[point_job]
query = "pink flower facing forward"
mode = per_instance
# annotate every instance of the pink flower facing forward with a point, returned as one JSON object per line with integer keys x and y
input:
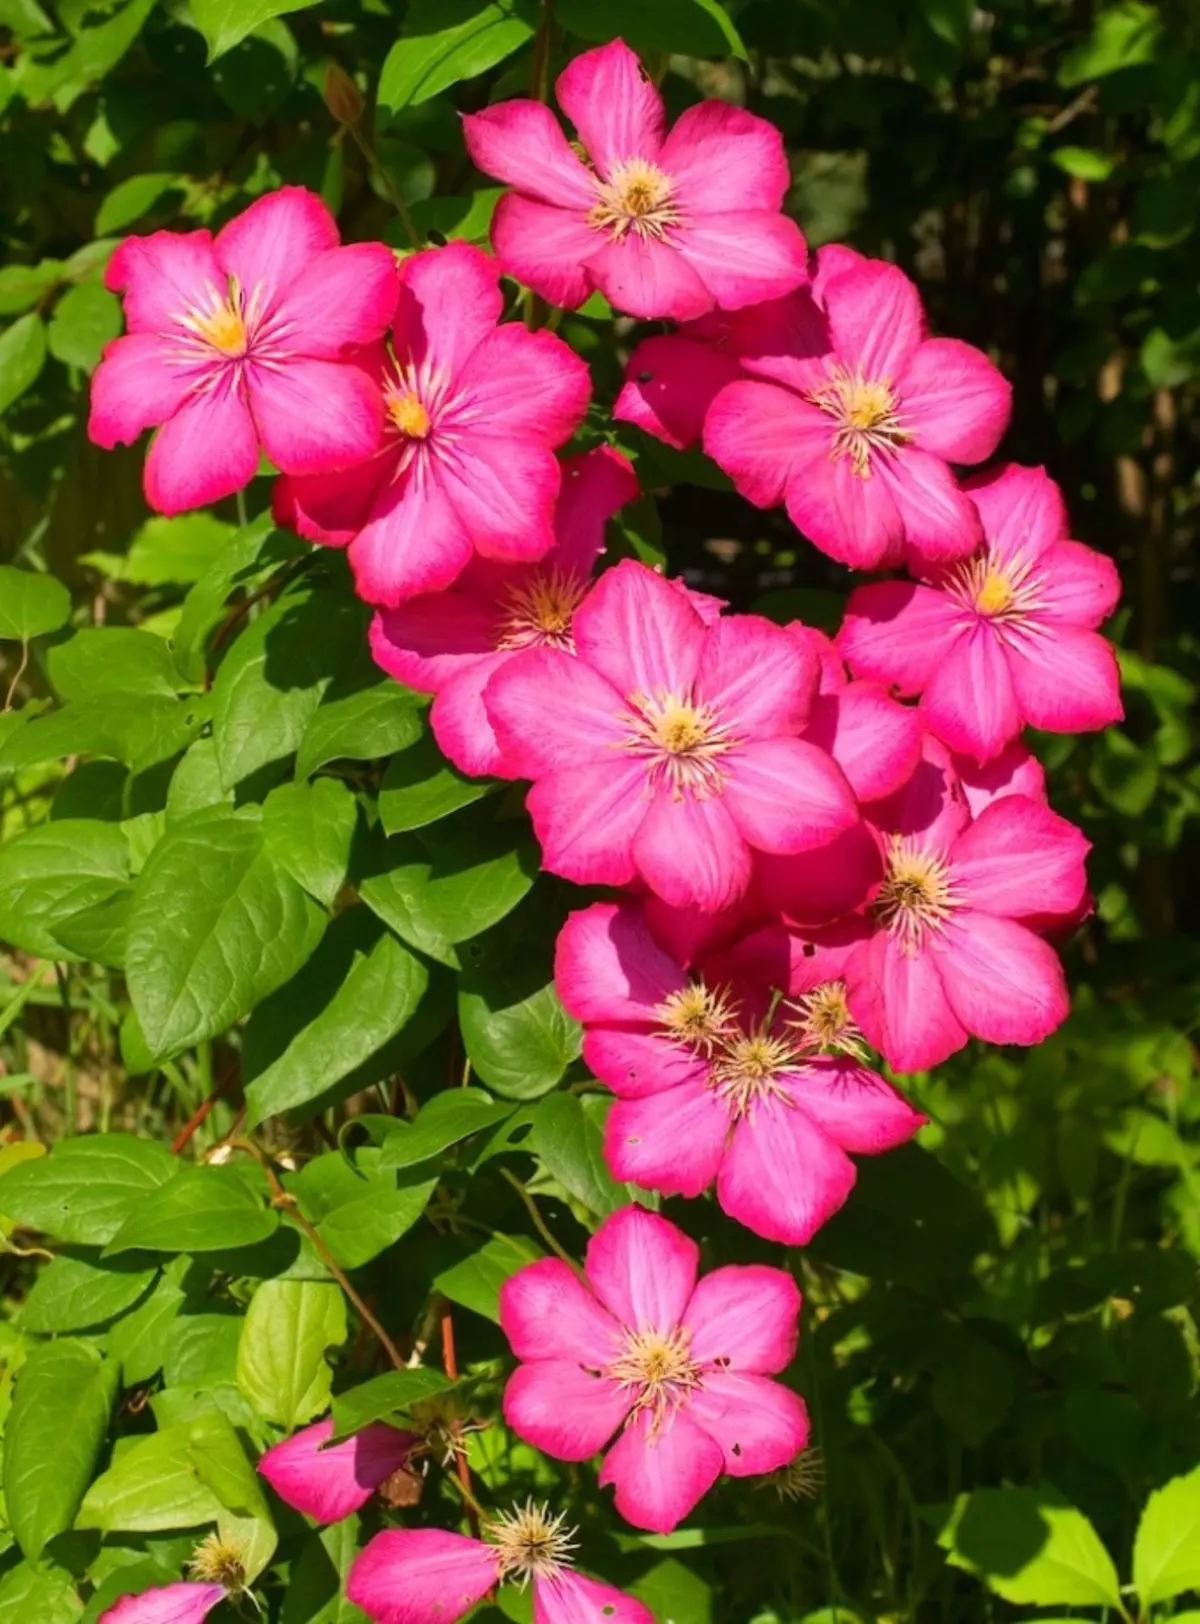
{"x": 450, "y": 643}
{"x": 327, "y": 1481}
{"x": 242, "y": 342}
{"x": 666, "y": 748}
{"x": 427, "y": 1576}
{"x": 718, "y": 1081}
{"x": 1007, "y": 637}
{"x": 680, "y": 1366}
{"x": 852, "y": 416}
{"x": 663, "y": 225}
{"x": 472, "y": 414}
{"x": 169, "y": 1604}
{"x": 952, "y": 950}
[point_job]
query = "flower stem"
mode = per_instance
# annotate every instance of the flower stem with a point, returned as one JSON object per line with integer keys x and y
{"x": 388, "y": 184}
{"x": 539, "y": 1222}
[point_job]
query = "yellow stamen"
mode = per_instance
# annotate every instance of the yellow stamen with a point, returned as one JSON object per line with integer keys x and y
{"x": 995, "y": 594}
{"x": 696, "y": 1016}
{"x": 683, "y": 741}
{"x": 220, "y": 1560}
{"x": 748, "y": 1070}
{"x": 537, "y": 614}
{"x": 917, "y": 895}
{"x": 826, "y": 1022}
{"x": 658, "y": 1369}
{"x": 1003, "y": 589}
{"x": 866, "y": 414}
{"x": 531, "y": 1543}
{"x": 638, "y": 197}
{"x": 408, "y": 415}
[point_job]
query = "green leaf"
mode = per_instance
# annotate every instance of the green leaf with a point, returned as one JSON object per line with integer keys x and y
{"x": 518, "y": 1036}
{"x": 130, "y": 199}
{"x": 448, "y": 1118}
{"x": 22, "y": 357}
{"x": 392, "y": 1394}
{"x": 282, "y": 1369}
{"x": 466, "y": 217}
{"x": 53, "y": 871}
{"x": 225, "y": 23}
{"x": 86, "y": 1188}
{"x": 137, "y": 1342}
{"x": 694, "y": 27}
{"x": 420, "y": 786}
{"x": 23, "y": 286}
{"x": 1031, "y": 1547}
{"x": 92, "y": 53}
{"x": 1084, "y": 162}
{"x": 220, "y": 1464}
{"x": 1122, "y": 36}
{"x": 359, "y": 723}
{"x": 153, "y": 1484}
{"x": 202, "y": 1209}
{"x": 673, "y": 1591}
{"x": 308, "y": 828}
{"x": 1166, "y": 1549}
{"x": 448, "y": 40}
{"x": 476, "y": 1281}
{"x": 64, "y": 1393}
{"x": 85, "y": 319}
{"x": 271, "y": 682}
{"x": 78, "y": 1291}
{"x": 99, "y": 660}
{"x": 256, "y": 552}
{"x": 240, "y": 927}
{"x": 136, "y": 729}
{"x": 100, "y": 931}
{"x": 356, "y": 992}
{"x": 31, "y": 605}
{"x": 371, "y": 1212}
{"x": 570, "y": 1142}
{"x": 41, "y": 1595}
{"x": 318, "y": 1576}
{"x": 163, "y": 551}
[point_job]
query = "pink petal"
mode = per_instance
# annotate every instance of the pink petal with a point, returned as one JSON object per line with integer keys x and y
{"x": 547, "y": 248}
{"x": 170, "y": 1604}
{"x": 649, "y": 278}
{"x": 504, "y": 491}
{"x": 1066, "y": 681}
{"x": 875, "y": 741}
{"x": 746, "y": 257}
{"x": 522, "y": 383}
{"x": 759, "y": 1424}
{"x": 639, "y": 632}
{"x": 587, "y": 819}
{"x": 162, "y": 277}
{"x": 332, "y": 508}
{"x": 786, "y": 795}
{"x": 1003, "y": 983}
{"x": 726, "y": 160}
{"x": 327, "y": 1484}
{"x": 757, "y": 677}
{"x": 746, "y": 1316}
{"x": 778, "y": 957}
{"x": 782, "y": 1175}
{"x": 1021, "y": 509}
{"x": 783, "y": 341}
{"x": 206, "y": 451}
{"x": 970, "y": 703}
{"x": 461, "y": 724}
{"x": 420, "y": 1576}
{"x": 954, "y": 400}
{"x": 940, "y": 521}
{"x": 1019, "y": 859}
{"x": 854, "y": 1106}
{"x": 551, "y": 710}
{"x": 271, "y": 243}
{"x": 671, "y": 1141}
{"x": 548, "y": 1312}
{"x": 616, "y": 110}
{"x": 660, "y": 1477}
{"x": 752, "y": 431}
{"x": 635, "y": 1064}
{"x": 930, "y": 804}
{"x": 428, "y": 641}
{"x": 899, "y": 633}
{"x": 315, "y": 415}
{"x": 343, "y": 298}
{"x": 594, "y": 486}
{"x": 854, "y": 518}
{"x": 608, "y": 967}
{"x": 138, "y": 385}
{"x": 562, "y": 1410}
{"x": 875, "y": 318}
{"x": 573, "y": 1598}
{"x": 901, "y": 1005}
{"x": 814, "y": 886}
{"x": 1015, "y": 771}
{"x": 450, "y": 301}
{"x": 642, "y": 1269}
{"x": 670, "y": 382}
{"x": 1079, "y": 585}
{"x": 690, "y": 852}
{"x": 522, "y": 144}
{"x": 414, "y": 542}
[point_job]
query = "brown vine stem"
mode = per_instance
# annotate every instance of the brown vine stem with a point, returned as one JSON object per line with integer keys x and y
{"x": 539, "y": 1222}
{"x": 17, "y": 675}
{"x": 450, "y": 1362}
{"x": 202, "y": 1112}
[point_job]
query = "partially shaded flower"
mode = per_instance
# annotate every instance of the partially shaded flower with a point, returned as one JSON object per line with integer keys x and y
{"x": 327, "y": 1481}
{"x": 662, "y": 224}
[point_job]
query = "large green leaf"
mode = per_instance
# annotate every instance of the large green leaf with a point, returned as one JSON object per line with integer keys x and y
{"x": 448, "y": 40}
{"x": 152, "y": 1484}
{"x": 359, "y": 719}
{"x": 99, "y": 660}
{"x": 217, "y": 924}
{"x": 31, "y": 605}
{"x": 517, "y": 1034}
{"x": 22, "y": 357}
{"x": 1031, "y": 1547}
{"x": 392, "y": 1394}
{"x": 1166, "y": 1550}
{"x": 420, "y": 786}
{"x": 225, "y": 23}
{"x": 316, "y": 1583}
{"x": 60, "y": 1411}
{"x": 38, "y": 1595}
{"x": 475, "y": 1282}
{"x": 86, "y": 1188}
{"x": 202, "y": 1209}
{"x": 79, "y": 1290}
{"x": 85, "y": 319}
{"x": 569, "y": 1138}
{"x": 448, "y": 1118}
{"x": 255, "y": 553}
{"x": 281, "y": 1367}
{"x": 308, "y": 828}
{"x": 359, "y": 1210}
{"x": 53, "y": 871}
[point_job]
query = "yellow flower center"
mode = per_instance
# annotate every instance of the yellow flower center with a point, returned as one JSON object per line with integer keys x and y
{"x": 1002, "y": 589}
{"x": 658, "y": 1369}
{"x": 917, "y": 894}
{"x": 826, "y": 1023}
{"x": 531, "y": 1543}
{"x": 995, "y": 594}
{"x": 637, "y": 197}
{"x": 748, "y": 1069}
{"x": 222, "y": 323}
{"x": 865, "y": 412}
{"x": 537, "y": 614}
{"x": 408, "y": 414}
{"x": 696, "y": 1017}
{"x": 682, "y": 742}
{"x": 220, "y": 1560}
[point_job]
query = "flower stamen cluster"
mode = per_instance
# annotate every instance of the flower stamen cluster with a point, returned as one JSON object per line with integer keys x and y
{"x": 866, "y": 416}
{"x": 917, "y": 895}
{"x": 1002, "y": 589}
{"x": 637, "y": 197}
{"x": 825, "y": 1023}
{"x": 682, "y": 742}
{"x": 697, "y": 1016}
{"x": 531, "y": 1544}
{"x": 536, "y": 612}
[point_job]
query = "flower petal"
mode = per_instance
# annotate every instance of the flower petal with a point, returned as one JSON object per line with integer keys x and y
{"x": 899, "y": 633}
{"x": 461, "y": 724}
{"x": 786, "y": 795}
{"x": 1003, "y": 983}
{"x": 162, "y": 277}
{"x": 640, "y": 632}
{"x": 875, "y": 741}
{"x": 521, "y": 143}
{"x": 429, "y": 641}
{"x": 616, "y": 110}
{"x": 758, "y": 434}
{"x": 548, "y": 1312}
{"x": 168, "y": 1604}
{"x": 854, "y": 1106}
{"x": 594, "y": 486}
{"x": 660, "y": 1477}
{"x": 206, "y": 451}
{"x": 271, "y": 243}
{"x": 421, "y": 1576}
{"x": 671, "y": 1141}
{"x": 670, "y": 382}
{"x": 562, "y": 1410}
{"x": 724, "y": 159}
{"x": 760, "y": 1424}
{"x": 332, "y": 508}
{"x": 344, "y": 298}
{"x": 587, "y": 819}
{"x": 328, "y": 1484}
{"x": 815, "y": 886}
{"x": 1019, "y": 859}
{"x": 745, "y": 1316}
{"x": 608, "y": 967}
{"x": 956, "y": 403}
{"x": 743, "y": 258}
{"x": 414, "y": 542}
{"x": 875, "y": 318}
{"x": 551, "y": 710}
{"x": 504, "y": 490}
{"x": 901, "y": 1005}
{"x": 1021, "y": 509}
{"x": 1015, "y": 771}
{"x": 573, "y": 1598}
{"x": 642, "y": 1269}
{"x": 782, "y": 1175}
{"x": 547, "y": 248}
{"x": 649, "y": 278}
{"x": 940, "y": 521}
{"x": 854, "y": 518}
{"x": 139, "y": 384}
{"x": 449, "y": 302}
{"x": 315, "y": 415}
{"x": 970, "y": 703}
{"x": 522, "y": 383}
{"x": 758, "y": 678}
{"x": 690, "y": 852}
{"x": 635, "y": 1064}
{"x": 1066, "y": 681}
{"x": 1079, "y": 585}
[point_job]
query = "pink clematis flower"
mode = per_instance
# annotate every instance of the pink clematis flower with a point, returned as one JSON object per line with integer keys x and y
{"x": 450, "y": 643}
{"x": 662, "y": 224}
{"x": 665, "y": 748}
{"x": 328, "y": 1481}
{"x": 472, "y": 414}
{"x": 243, "y": 342}
{"x": 1015, "y": 771}
{"x": 680, "y": 1367}
{"x": 429, "y": 1576}
{"x": 169, "y": 1604}
{"x": 1004, "y": 639}
{"x": 852, "y": 417}
{"x": 717, "y": 1084}
{"x": 952, "y": 950}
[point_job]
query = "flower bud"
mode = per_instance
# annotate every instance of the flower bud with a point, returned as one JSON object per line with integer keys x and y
{"x": 342, "y": 96}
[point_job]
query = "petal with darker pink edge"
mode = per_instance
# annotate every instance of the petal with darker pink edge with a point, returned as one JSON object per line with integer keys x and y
{"x": 661, "y": 1476}
{"x": 421, "y": 1576}
{"x": 898, "y": 633}
{"x": 745, "y": 1317}
{"x": 608, "y": 967}
{"x": 1021, "y": 509}
{"x": 782, "y": 1175}
{"x": 206, "y": 451}
{"x": 329, "y": 1481}
{"x": 594, "y": 486}
{"x": 671, "y": 1141}
{"x": 786, "y": 795}
{"x": 725, "y": 159}
{"x": 634, "y": 1064}
{"x": 504, "y": 490}
{"x": 573, "y": 1598}
{"x": 854, "y": 1106}
{"x": 563, "y": 1410}
{"x": 413, "y": 542}
{"x": 758, "y": 433}
{"x": 1078, "y": 585}
{"x": 1066, "y": 681}
{"x": 168, "y": 1604}
{"x": 642, "y": 1269}
{"x": 547, "y": 248}
{"x": 315, "y": 415}
{"x": 268, "y": 245}
{"x": 548, "y": 1312}
{"x": 518, "y": 382}
{"x": 825, "y": 883}
{"x": 462, "y": 726}
{"x": 641, "y": 633}
{"x": 969, "y": 702}
{"x": 760, "y": 680}
{"x": 427, "y": 642}
{"x": 940, "y": 521}
{"x": 449, "y": 302}
{"x": 521, "y": 143}
{"x": 332, "y": 508}
{"x": 138, "y": 385}
{"x": 1019, "y": 858}
{"x": 854, "y": 519}
{"x": 898, "y": 1000}
{"x": 875, "y": 318}
{"x": 1015, "y": 771}
{"x": 551, "y": 710}
{"x": 744, "y": 258}
{"x": 162, "y": 278}
{"x": 344, "y": 298}
{"x": 587, "y": 820}
{"x": 612, "y": 104}
{"x": 954, "y": 401}
{"x": 650, "y": 278}
{"x": 874, "y": 740}
{"x": 1003, "y": 983}
{"x": 759, "y": 1424}
{"x": 691, "y": 852}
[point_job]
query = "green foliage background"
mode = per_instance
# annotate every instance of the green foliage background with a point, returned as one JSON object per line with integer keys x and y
{"x": 233, "y": 863}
